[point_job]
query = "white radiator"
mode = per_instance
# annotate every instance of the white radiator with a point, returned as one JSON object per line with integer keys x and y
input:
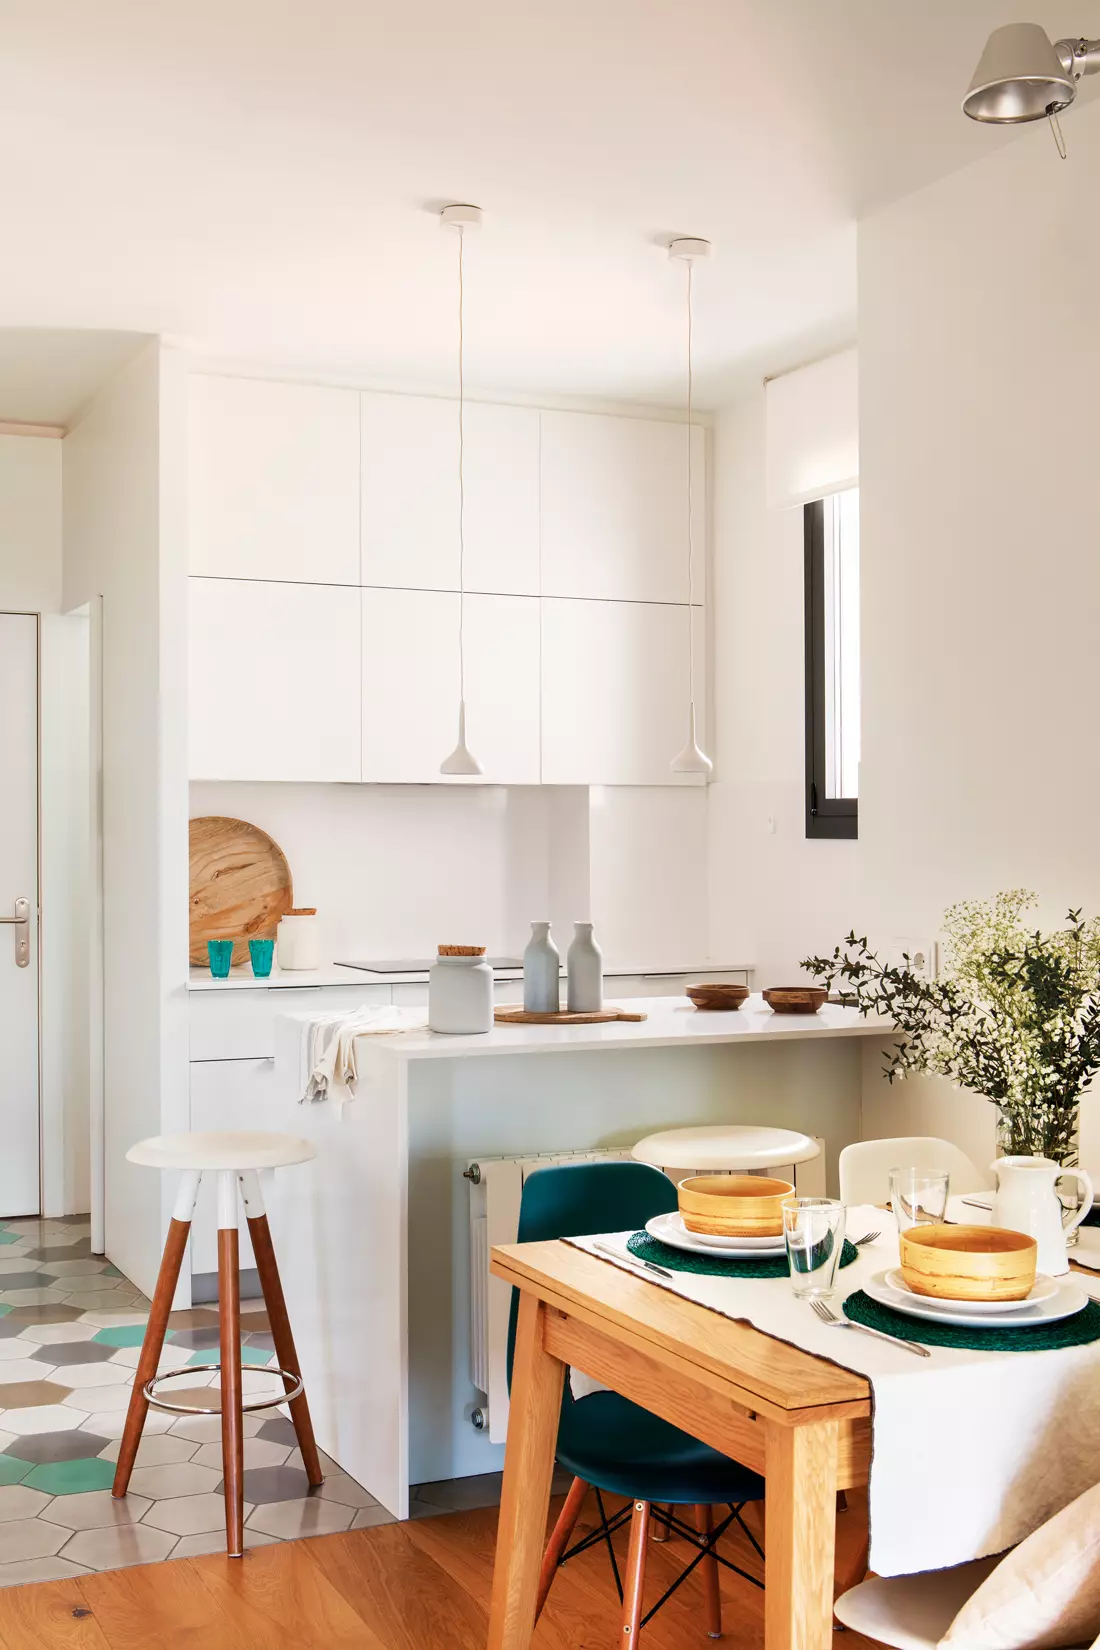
{"x": 496, "y": 1186}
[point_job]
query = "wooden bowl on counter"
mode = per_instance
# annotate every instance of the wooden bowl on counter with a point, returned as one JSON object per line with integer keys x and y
{"x": 795, "y": 999}
{"x": 717, "y": 995}
{"x": 733, "y": 1205}
{"x": 968, "y": 1263}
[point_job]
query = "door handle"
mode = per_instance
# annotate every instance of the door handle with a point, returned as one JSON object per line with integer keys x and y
{"x": 21, "y": 922}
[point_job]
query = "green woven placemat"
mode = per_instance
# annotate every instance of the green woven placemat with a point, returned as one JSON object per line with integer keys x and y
{"x": 1079, "y": 1330}
{"x": 680, "y": 1260}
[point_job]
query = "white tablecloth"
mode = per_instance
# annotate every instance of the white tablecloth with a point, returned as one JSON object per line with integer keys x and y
{"x": 971, "y": 1450}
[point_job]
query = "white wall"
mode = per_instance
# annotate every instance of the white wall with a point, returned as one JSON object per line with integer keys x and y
{"x": 774, "y": 896}
{"x": 980, "y": 520}
{"x": 124, "y": 541}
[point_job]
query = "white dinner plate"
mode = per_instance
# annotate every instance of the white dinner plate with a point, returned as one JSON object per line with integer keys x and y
{"x": 1066, "y": 1301}
{"x": 670, "y": 1229}
{"x": 1045, "y": 1289}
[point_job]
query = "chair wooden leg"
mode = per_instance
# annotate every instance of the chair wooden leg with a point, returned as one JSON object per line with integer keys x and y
{"x": 174, "y": 1250}
{"x": 559, "y": 1540}
{"x": 271, "y": 1284}
{"x": 704, "y": 1523}
{"x": 229, "y": 1319}
{"x": 660, "y": 1532}
{"x": 635, "y": 1573}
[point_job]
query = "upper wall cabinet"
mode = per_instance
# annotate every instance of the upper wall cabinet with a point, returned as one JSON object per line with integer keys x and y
{"x": 274, "y": 681}
{"x": 615, "y": 692}
{"x": 614, "y": 508}
{"x": 410, "y": 495}
{"x": 274, "y": 481}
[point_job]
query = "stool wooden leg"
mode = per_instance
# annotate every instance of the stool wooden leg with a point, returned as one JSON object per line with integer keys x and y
{"x": 704, "y": 1523}
{"x": 174, "y": 1250}
{"x": 229, "y": 1321}
{"x": 558, "y": 1542}
{"x": 281, "y": 1334}
{"x": 635, "y": 1574}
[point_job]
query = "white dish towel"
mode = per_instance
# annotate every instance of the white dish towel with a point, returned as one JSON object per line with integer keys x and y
{"x": 328, "y": 1064}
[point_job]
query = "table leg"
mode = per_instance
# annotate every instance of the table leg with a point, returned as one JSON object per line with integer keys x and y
{"x": 537, "y": 1383}
{"x": 800, "y": 1535}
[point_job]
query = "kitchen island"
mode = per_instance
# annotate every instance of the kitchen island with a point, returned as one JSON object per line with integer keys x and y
{"x": 374, "y": 1237}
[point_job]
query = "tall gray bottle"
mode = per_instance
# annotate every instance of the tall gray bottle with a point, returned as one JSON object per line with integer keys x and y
{"x": 585, "y": 965}
{"x": 541, "y": 971}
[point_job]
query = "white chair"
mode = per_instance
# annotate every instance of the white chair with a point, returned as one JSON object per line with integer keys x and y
{"x": 731, "y": 1148}
{"x": 865, "y": 1166}
{"x": 911, "y": 1612}
{"x": 236, "y": 1160}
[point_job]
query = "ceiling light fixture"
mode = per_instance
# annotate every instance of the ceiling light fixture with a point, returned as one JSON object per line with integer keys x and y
{"x": 691, "y": 759}
{"x": 461, "y": 760}
{"x": 1021, "y": 76}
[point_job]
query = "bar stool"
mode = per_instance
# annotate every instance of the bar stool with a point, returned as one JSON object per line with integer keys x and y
{"x": 236, "y": 1159}
{"x": 732, "y": 1147}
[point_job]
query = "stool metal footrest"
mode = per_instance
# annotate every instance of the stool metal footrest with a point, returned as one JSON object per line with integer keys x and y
{"x": 293, "y": 1384}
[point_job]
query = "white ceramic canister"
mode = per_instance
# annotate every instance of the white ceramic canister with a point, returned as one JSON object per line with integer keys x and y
{"x": 460, "y": 991}
{"x": 298, "y": 939}
{"x": 541, "y": 972}
{"x": 585, "y": 965}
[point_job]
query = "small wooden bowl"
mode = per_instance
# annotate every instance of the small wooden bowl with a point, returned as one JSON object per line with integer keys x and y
{"x": 717, "y": 995}
{"x": 733, "y": 1205}
{"x": 968, "y": 1263}
{"x": 795, "y": 999}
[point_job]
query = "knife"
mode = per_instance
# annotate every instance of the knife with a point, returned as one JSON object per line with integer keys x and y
{"x": 631, "y": 1260}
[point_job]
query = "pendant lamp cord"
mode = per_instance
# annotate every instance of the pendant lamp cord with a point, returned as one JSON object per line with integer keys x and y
{"x": 690, "y": 523}
{"x": 461, "y": 487}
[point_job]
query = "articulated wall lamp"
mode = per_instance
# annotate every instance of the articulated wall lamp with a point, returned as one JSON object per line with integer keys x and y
{"x": 1021, "y": 76}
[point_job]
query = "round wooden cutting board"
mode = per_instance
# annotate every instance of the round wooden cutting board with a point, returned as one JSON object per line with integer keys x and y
{"x": 240, "y": 885}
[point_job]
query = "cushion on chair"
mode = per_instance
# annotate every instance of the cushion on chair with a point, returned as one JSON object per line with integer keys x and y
{"x": 910, "y": 1612}
{"x": 619, "y": 1447}
{"x": 1045, "y": 1593}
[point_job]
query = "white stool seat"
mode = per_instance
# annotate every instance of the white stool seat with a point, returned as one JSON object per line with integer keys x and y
{"x": 911, "y": 1612}
{"x": 724, "y": 1147}
{"x": 233, "y": 1152}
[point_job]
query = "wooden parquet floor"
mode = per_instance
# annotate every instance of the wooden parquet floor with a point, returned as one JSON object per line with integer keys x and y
{"x": 418, "y": 1586}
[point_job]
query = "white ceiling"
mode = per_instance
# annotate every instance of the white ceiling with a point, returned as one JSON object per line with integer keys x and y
{"x": 258, "y": 181}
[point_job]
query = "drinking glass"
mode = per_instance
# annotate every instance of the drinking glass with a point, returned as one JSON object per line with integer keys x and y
{"x": 220, "y": 953}
{"x": 918, "y": 1198}
{"x": 261, "y": 952}
{"x": 814, "y": 1231}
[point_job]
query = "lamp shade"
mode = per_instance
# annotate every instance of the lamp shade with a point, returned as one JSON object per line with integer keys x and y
{"x": 1020, "y": 77}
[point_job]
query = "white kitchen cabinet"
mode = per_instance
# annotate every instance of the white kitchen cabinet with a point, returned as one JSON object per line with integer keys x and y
{"x": 273, "y": 488}
{"x": 410, "y": 495}
{"x": 615, "y": 692}
{"x": 614, "y": 508}
{"x": 411, "y": 685}
{"x": 274, "y": 681}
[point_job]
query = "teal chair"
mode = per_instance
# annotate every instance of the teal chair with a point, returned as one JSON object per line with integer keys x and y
{"x": 612, "y": 1445}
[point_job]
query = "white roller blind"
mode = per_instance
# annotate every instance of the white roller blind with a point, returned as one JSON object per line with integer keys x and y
{"x": 813, "y": 431}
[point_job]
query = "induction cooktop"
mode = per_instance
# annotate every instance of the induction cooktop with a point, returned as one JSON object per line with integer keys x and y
{"x": 421, "y": 965}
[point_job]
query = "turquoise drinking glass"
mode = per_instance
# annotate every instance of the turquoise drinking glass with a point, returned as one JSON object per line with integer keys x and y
{"x": 220, "y": 953}
{"x": 261, "y": 952}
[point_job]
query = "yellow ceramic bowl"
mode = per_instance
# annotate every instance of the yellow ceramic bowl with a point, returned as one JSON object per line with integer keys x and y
{"x": 734, "y": 1205}
{"x": 968, "y": 1263}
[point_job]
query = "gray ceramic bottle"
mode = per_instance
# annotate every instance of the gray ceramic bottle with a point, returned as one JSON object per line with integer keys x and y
{"x": 585, "y": 965}
{"x": 541, "y": 971}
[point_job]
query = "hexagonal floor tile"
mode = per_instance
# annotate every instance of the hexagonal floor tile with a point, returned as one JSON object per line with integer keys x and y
{"x": 40, "y": 1569}
{"x": 75, "y": 1445}
{"x": 197, "y": 1339}
{"x": 207, "y": 1429}
{"x": 13, "y": 1470}
{"x": 195, "y": 1317}
{"x": 76, "y": 1352}
{"x": 122, "y": 1334}
{"x": 110, "y": 1423}
{"x": 101, "y": 1398}
{"x": 36, "y": 1279}
{"x": 266, "y": 1484}
{"x": 16, "y": 1501}
{"x": 19, "y": 1371}
{"x": 97, "y": 1509}
{"x": 182, "y": 1478}
{"x": 83, "y": 1377}
{"x": 367, "y": 1518}
{"x": 58, "y": 1334}
{"x": 19, "y": 1263}
{"x": 22, "y": 1346}
{"x": 116, "y": 1549}
{"x": 254, "y": 1317}
{"x": 189, "y": 1514}
{"x": 54, "y": 1313}
{"x": 278, "y": 1430}
{"x": 339, "y": 1487}
{"x": 90, "y": 1266}
{"x": 46, "y": 1418}
{"x": 7, "y": 1327}
{"x": 127, "y": 1318}
{"x": 71, "y": 1477}
{"x": 258, "y": 1452}
{"x": 196, "y": 1546}
{"x": 161, "y": 1450}
{"x": 45, "y": 1296}
{"x": 100, "y": 1301}
{"x": 18, "y": 1395}
{"x": 292, "y": 1519}
{"x": 30, "y": 1538}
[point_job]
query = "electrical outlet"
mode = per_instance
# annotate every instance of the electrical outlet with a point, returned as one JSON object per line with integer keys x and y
{"x": 923, "y": 955}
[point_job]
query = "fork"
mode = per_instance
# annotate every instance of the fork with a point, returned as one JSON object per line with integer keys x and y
{"x": 829, "y": 1317}
{"x": 868, "y": 1237}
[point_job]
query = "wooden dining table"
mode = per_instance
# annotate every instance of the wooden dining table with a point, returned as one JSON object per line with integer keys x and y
{"x": 802, "y": 1423}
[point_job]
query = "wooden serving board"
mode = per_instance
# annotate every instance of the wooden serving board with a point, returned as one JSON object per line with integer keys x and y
{"x": 240, "y": 885}
{"x": 520, "y": 1017}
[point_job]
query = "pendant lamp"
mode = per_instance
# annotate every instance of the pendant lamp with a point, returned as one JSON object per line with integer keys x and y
{"x": 461, "y": 761}
{"x": 691, "y": 759}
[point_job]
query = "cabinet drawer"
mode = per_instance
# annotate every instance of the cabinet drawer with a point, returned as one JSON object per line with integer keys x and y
{"x": 240, "y": 1025}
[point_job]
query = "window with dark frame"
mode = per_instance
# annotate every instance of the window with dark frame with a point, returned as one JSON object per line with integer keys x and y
{"x": 831, "y": 527}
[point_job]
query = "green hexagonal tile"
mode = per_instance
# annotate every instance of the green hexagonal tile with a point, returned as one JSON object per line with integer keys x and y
{"x": 9, "y": 1237}
{"x": 123, "y": 1334}
{"x": 13, "y": 1470}
{"x": 72, "y": 1477}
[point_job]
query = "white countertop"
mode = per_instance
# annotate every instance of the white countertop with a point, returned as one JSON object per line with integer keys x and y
{"x": 671, "y": 1022}
{"x": 302, "y": 979}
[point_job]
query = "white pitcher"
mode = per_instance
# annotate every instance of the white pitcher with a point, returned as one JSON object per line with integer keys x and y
{"x": 1026, "y": 1201}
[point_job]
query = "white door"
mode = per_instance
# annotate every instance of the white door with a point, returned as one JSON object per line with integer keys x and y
{"x": 19, "y": 1194}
